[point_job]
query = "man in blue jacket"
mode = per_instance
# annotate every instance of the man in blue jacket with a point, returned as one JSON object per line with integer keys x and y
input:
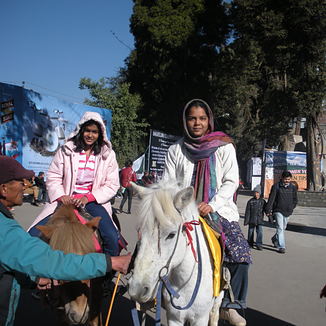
{"x": 22, "y": 254}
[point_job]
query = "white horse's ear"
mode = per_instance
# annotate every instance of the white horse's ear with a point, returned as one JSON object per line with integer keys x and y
{"x": 139, "y": 190}
{"x": 183, "y": 198}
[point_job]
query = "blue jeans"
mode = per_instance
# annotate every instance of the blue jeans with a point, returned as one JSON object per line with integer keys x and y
{"x": 281, "y": 223}
{"x": 259, "y": 232}
{"x": 239, "y": 285}
{"x": 108, "y": 232}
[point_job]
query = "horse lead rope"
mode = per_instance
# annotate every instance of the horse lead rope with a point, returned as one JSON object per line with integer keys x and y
{"x": 112, "y": 299}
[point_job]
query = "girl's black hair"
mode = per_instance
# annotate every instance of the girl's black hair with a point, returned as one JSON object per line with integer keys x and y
{"x": 78, "y": 140}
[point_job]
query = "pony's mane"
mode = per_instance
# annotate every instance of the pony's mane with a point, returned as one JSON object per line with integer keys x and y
{"x": 69, "y": 235}
{"x": 157, "y": 205}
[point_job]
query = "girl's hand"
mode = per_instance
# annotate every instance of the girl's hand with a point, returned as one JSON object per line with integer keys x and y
{"x": 66, "y": 200}
{"x": 80, "y": 201}
{"x": 204, "y": 209}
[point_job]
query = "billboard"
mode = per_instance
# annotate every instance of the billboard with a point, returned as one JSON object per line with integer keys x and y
{"x": 278, "y": 161}
{"x": 158, "y": 146}
{"x": 33, "y": 125}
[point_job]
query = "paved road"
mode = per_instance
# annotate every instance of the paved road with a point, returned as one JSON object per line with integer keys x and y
{"x": 283, "y": 289}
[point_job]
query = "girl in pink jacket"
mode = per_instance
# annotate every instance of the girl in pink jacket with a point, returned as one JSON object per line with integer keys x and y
{"x": 84, "y": 172}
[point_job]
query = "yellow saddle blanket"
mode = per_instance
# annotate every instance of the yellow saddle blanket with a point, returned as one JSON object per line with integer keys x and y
{"x": 216, "y": 253}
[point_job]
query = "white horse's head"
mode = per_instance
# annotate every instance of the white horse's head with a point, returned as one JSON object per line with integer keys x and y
{"x": 163, "y": 210}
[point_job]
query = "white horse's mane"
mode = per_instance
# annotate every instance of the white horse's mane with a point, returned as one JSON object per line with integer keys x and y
{"x": 157, "y": 205}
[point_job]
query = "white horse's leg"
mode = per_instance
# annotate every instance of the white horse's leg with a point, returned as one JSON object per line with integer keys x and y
{"x": 202, "y": 321}
{"x": 214, "y": 315}
{"x": 175, "y": 317}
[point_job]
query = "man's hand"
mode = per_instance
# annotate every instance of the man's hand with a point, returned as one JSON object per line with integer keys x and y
{"x": 204, "y": 209}
{"x": 121, "y": 263}
{"x": 45, "y": 283}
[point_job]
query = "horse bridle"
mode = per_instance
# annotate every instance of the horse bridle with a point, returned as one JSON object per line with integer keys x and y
{"x": 55, "y": 302}
{"x": 164, "y": 281}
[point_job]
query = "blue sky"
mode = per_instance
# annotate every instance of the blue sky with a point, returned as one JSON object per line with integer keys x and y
{"x": 51, "y": 44}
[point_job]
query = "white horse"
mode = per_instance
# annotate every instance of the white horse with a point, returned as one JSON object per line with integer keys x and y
{"x": 164, "y": 249}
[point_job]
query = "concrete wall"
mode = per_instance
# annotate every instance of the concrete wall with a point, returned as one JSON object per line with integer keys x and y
{"x": 312, "y": 198}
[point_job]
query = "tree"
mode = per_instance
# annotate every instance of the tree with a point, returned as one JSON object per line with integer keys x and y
{"x": 307, "y": 24}
{"x": 259, "y": 63}
{"x": 128, "y": 132}
{"x": 176, "y": 43}
{"x": 290, "y": 37}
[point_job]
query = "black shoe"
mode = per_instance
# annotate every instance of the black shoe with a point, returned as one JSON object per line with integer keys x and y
{"x": 281, "y": 250}
{"x": 35, "y": 203}
{"x": 259, "y": 248}
{"x": 128, "y": 212}
{"x": 251, "y": 245}
{"x": 275, "y": 244}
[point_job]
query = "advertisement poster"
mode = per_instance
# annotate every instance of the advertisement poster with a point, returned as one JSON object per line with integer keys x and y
{"x": 40, "y": 124}
{"x": 159, "y": 144}
{"x": 277, "y": 162}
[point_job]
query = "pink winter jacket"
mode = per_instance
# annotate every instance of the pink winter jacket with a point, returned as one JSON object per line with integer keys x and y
{"x": 62, "y": 174}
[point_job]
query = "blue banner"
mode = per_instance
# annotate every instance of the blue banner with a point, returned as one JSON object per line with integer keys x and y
{"x": 34, "y": 126}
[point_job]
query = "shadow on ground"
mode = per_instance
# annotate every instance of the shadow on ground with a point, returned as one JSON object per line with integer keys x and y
{"x": 296, "y": 227}
{"x": 33, "y": 312}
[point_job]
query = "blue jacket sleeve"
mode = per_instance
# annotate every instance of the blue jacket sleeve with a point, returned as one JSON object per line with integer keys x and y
{"x": 21, "y": 252}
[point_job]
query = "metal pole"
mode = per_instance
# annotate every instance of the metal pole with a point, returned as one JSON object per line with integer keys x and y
{"x": 149, "y": 148}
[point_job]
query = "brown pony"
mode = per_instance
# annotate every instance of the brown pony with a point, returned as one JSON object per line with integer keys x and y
{"x": 77, "y": 302}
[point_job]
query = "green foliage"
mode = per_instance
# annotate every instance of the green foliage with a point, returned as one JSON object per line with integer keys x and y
{"x": 127, "y": 133}
{"x": 177, "y": 42}
{"x": 259, "y": 63}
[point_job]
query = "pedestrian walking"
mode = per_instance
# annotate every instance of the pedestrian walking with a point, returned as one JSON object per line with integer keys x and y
{"x": 127, "y": 175}
{"x": 254, "y": 217}
{"x": 207, "y": 161}
{"x": 40, "y": 183}
{"x": 24, "y": 258}
{"x": 281, "y": 203}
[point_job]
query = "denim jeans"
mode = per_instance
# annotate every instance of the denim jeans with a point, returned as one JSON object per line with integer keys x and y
{"x": 281, "y": 223}
{"x": 239, "y": 285}
{"x": 127, "y": 194}
{"x": 259, "y": 232}
{"x": 109, "y": 233}
{"x": 42, "y": 195}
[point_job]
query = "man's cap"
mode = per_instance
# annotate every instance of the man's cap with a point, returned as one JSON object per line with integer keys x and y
{"x": 257, "y": 189}
{"x": 10, "y": 169}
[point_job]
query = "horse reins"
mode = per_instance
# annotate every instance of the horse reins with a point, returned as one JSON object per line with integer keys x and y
{"x": 164, "y": 281}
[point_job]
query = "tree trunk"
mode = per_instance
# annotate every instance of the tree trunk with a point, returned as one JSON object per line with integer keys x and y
{"x": 313, "y": 159}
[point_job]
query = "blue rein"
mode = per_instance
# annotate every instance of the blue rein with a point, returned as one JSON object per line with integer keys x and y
{"x": 164, "y": 281}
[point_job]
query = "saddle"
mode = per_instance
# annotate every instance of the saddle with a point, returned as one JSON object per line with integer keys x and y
{"x": 216, "y": 248}
{"x": 215, "y": 239}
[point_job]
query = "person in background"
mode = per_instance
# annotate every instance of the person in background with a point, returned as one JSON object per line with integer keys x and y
{"x": 206, "y": 160}
{"x": 84, "y": 172}
{"x": 153, "y": 177}
{"x": 32, "y": 189}
{"x": 146, "y": 179}
{"x": 281, "y": 203}
{"x": 127, "y": 175}
{"x": 254, "y": 216}
{"x": 22, "y": 255}
{"x": 40, "y": 183}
